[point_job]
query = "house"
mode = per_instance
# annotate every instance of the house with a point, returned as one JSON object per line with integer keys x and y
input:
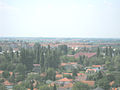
{"x": 89, "y": 55}
{"x": 68, "y": 74}
{"x": 59, "y": 76}
{"x": 69, "y": 66}
{"x": 91, "y": 71}
{"x": 98, "y": 67}
{"x": 66, "y": 87}
{"x": 36, "y": 68}
{"x": 80, "y": 77}
{"x": 33, "y": 89}
{"x": 64, "y": 81}
{"x": 8, "y": 85}
{"x": 1, "y": 71}
{"x": 114, "y": 89}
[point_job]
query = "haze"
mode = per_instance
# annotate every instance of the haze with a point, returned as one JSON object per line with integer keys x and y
{"x": 60, "y": 18}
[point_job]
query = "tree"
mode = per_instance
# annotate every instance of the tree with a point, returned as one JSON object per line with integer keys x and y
{"x": 110, "y": 77}
{"x": 42, "y": 61}
{"x": 20, "y": 78}
{"x": 26, "y": 58}
{"x": 74, "y": 72}
{"x": 45, "y": 87}
{"x": 80, "y": 61}
{"x": 80, "y": 86}
{"x": 51, "y": 74}
{"x": 103, "y": 83}
{"x": 0, "y": 49}
{"x": 19, "y": 87}
{"x": 2, "y": 87}
{"x": 12, "y": 78}
{"x": 54, "y": 88}
{"x": 63, "y": 49}
{"x": 37, "y": 48}
{"x": 110, "y": 51}
{"x": 106, "y": 51}
{"x": 5, "y": 74}
{"x": 21, "y": 69}
{"x": 98, "y": 52}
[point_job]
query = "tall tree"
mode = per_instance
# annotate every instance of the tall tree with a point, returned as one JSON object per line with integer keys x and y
{"x": 106, "y": 51}
{"x": 0, "y": 49}
{"x": 98, "y": 52}
{"x": 26, "y": 57}
{"x": 37, "y": 48}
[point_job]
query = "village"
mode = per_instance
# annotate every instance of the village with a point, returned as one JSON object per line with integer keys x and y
{"x": 65, "y": 65}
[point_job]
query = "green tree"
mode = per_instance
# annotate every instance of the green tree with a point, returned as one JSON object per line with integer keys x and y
{"x": 45, "y": 87}
{"x": 80, "y": 86}
{"x": 26, "y": 58}
{"x": 106, "y": 51}
{"x": 54, "y": 88}
{"x": 21, "y": 69}
{"x": 51, "y": 74}
{"x": 37, "y": 48}
{"x": 103, "y": 83}
{"x": 6, "y": 74}
{"x": 0, "y": 49}
{"x": 2, "y": 87}
{"x": 98, "y": 52}
{"x": 74, "y": 72}
{"x": 19, "y": 87}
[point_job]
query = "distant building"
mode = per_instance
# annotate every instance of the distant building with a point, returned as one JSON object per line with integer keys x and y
{"x": 89, "y": 55}
{"x": 36, "y": 68}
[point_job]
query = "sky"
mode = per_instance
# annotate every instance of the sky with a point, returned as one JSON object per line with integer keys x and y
{"x": 60, "y": 18}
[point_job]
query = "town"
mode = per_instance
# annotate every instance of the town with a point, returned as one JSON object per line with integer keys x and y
{"x": 59, "y": 64}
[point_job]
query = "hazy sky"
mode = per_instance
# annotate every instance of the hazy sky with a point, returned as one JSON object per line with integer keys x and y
{"x": 60, "y": 18}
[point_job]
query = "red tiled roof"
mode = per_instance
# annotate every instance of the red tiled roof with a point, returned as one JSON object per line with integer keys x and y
{"x": 96, "y": 65}
{"x": 59, "y": 75}
{"x": 68, "y": 74}
{"x": 65, "y": 80}
{"x": 7, "y": 83}
{"x": 111, "y": 83}
{"x": 70, "y": 63}
{"x": 80, "y": 74}
{"x": 90, "y": 83}
{"x": 36, "y": 64}
{"x": 1, "y": 71}
{"x": 91, "y": 70}
{"x": 33, "y": 89}
{"x": 69, "y": 85}
{"x": 114, "y": 89}
{"x": 43, "y": 74}
{"x": 89, "y": 55}
{"x": 63, "y": 64}
{"x": 11, "y": 73}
